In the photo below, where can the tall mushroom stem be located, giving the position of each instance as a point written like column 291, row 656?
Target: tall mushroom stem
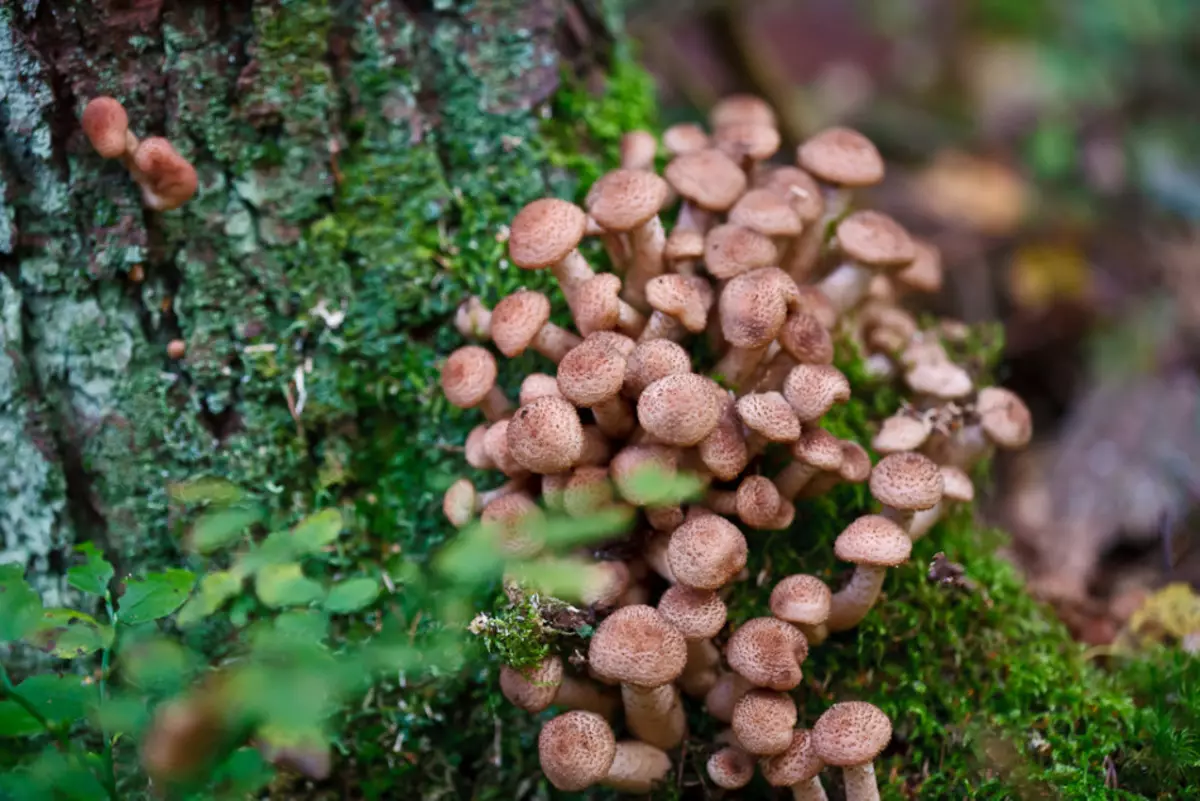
column 860, row 782
column 851, row 603
column 810, row 790
column 637, row 768
column 654, row 714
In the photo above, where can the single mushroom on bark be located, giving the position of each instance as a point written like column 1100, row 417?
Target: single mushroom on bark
column 851, row 735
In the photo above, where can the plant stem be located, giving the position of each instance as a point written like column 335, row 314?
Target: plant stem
column 110, row 772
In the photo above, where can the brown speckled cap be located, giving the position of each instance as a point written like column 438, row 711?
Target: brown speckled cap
column 533, row 688
column 591, row 373
column 815, row 302
column 806, row 340
column 495, row 446
column 958, row 486
column 596, row 304
column 684, row 243
column 768, row 212
column 770, row 415
column 638, row 150
column 706, row 552
column 652, row 360
column 799, row 763
column 747, row 140
column 105, row 124
column 841, row 156
column 684, row 137
column 622, row 200
column 941, row 380
column 851, row 733
column 538, row 385
column 636, row 645
column 545, row 232
column 708, row 178
column 819, row 448
column 618, row 342
column 576, row 750
column 730, row 768
column 873, row 540
column 906, row 481
column 901, row 432
column 874, row 239
column 1005, row 417
column 925, row 272
column 813, row 389
column 757, row 502
column 801, row 599
column 686, row 298
column 753, row 308
column 698, row 614
column 741, row 108
column 730, row 250
column 168, row 180
column 724, row 452
column 517, row 319
column 546, row 436
column 468, row 376
column 856, row 463
column 629, row 464
column 679, row 409
column 800, row 189
column 763, row 721
column 768, row 652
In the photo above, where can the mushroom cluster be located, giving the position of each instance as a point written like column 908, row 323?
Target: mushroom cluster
column 765, row 267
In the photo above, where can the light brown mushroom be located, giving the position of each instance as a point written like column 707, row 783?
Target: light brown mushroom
column 850, row 735
column 599, row 307
column 708, row 181
column 855, row 469
column 753, row 308
column 763, row 721
column 545, row 684
column 724, row 452
column 905, row 483
column 515, row 523
column 638, row 150
column 868, row 241
column 813, row 389
column 924, row 274
column 901, row 432
column 802, row 340
column 724, row 695
column 590, row 376
column 469, row 381
column 706, row 552
column 684, row 246
column 730, row 250
column 730, row 768
column 577, row 750
column 957, row 489
column 843, row 160
column 473, row 320
column 799, row 767
column 522, row 320
column 999, row 418
column 537, row 385
column 545, row 436
column 546, row 234
column 699, row 615
column 651, row 360
column 768, row 653
column 873, row 544
column 106, row 125
column 807, row 199
column 747, row 143
column 939, row 381
column 629, row 469
column 495, row 446
column 627, row 202
column 741, row 108
column 769, row 418
column 679, row 410
column 680, row 303
column 803, row 601
column 167, row 179
column 684, row 137
column 475, row 448
column 462, row 502
column 815, row 451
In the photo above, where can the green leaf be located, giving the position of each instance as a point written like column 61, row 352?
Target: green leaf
column 286, row 585
column 205, row 489
column 20, row 606
column 220, row 527
column 60, row 699
column 316, row 531
column 242, row 775
column 157, row 595
column 94, row 574
column 215, row 589
column 351, row 596
column 156, row 664
column 68, row 634
column 310, row 625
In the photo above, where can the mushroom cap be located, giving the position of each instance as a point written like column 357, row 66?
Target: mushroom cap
column 942, row 380
column 805, row 339
column 801, row 599
column 784, row 517
column 168, row 179
column 799, row 763
column 768, row 652
column 545, row 232
column 1004, row 417
column 724, row 451
column 622, row 200
column 740, row 108
column 636, row 645
column 757, row 501
column 538, row 385
column 458, row 504
column 841, row 156
column 747, row 140
column 731, row 768
column 813, row 389
column 468, row 376
column 722, row 696
column 875, row 239
column 708, row 178
column 875, row 541
column 597, row 304
column 533, row 688
column 609, row 580
column 576, row 750
column 629, row 464
column 753, row 308
column 495, row 446
column 698, row 614
column 591, row 373
column 546, row 436
column 587, row 491
column 900, row 432
column 517, row 319
column 819, row 448
column 706, row 552
column 925, row 272
column 730, row 250
column 686, row 298
column 907, row 481
column 476, row 449
column 684, row 243
column 105, row 124
column 813, row 300
column 769, row 415
column 680, row 409
column 800, row 189
column 652, row 360
column 957, row 483
column 763, row 721
column 768, row 212
column 851, row 733
column 516, row 519
column 856, row 463
column 639, row 147
column 684, row 137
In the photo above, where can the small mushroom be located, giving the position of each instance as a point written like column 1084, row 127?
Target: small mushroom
column 599, row 307
column 706, row 552
column 905, row 483
column 168, row 180
column 708, row 181
column 813, row 389
column 699, row 615
column 724, row 451
column 869, row 241
column 763, row 721
column 958, row 489
column 808, row 201
column 843, row 160
column 724, row 695
column 462, row 502
column 577, row 750
column 730, row 768
column 769, row 418
column 756, row 502
column 939, row 381
column 495, row 447
column 753, row 308
column 798, row 767
column 106, row 125
column 627, row 202
column 684, row 137
column 873, row 544
column 546, row 234
column 638, row 150
column 680, row 303
column 770, row 213
column 545, row 684
column 802, row 340
column 850, row 735
column 803, row 601
column 999, row 418
column 855, row 469
column 632, row 463
column 469, row 381
column 522, row 320
column 679, row 410
column 730, row 250
column 651, row 360
column 901, row 432
column 473, row 320
column 815, row 451
column 537, row 385
column 683, row 248
column 545, row 436
column 749, row 143
column 924, row 274
column 768, row 653
column 590, row 376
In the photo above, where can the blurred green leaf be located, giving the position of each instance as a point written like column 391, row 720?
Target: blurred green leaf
column 566, row 532
column 94, row 574
column 316, row 531
column 52, row 775
column 215, row 589
column 242, row 775
column 156, row 664
column 60, row 699
column 69, row 634
column 122, row 714
column 220, row 527
column 472, row 557
column 303, row 624
column 1052, row 149
column 652, row 486
column 286, row 585
column 352, row 595
column 205, row 489
column 563, row 578
column 20, row 606
column 155, row 596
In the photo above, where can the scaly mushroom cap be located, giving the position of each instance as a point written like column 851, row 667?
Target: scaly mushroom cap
column 801, row 599
column 597, row 304
column 533, row 688
column 679, row 409
column 757, row 502
column 747, row 140
column 545, row 232
column 724, row 451
column 741, row 108
column 958, row 486
column 730, row 768
column 458, row 504
column 622, row 200
column 706, row 552
column 652, row 360
column 942, row 380
column 588, row 490
column 618, row 342
column 517, row 319
column 708, row 178
column 841, row 156
column 925, row 272
column 769, row 415
column 753, row 309
column 856, row 463
column 105, row 124
column 698, row 614
column 812, row 300
column 546, row 436
column 907, row 481
column 1005, row 417
column 763, row 721
column 576, row 750
column 851, row 733
column 683, row 243
column 799, row 763
column 806, row 340
column 901, row 432
column 591, row 373
column 767, row 211
column 634, row 461
column 468, row 376
column 730, row 250
column 684, row 137
column 800, row 189
column 768, row 652
column 686, row 298
column 538, row 385
column 819, row 448
column 875, row 239
column 168, row 180
column 636, row 645
column 813, row 389
column 875, row 541
column 495, row 446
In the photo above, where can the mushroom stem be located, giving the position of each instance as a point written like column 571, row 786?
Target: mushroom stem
column 575, row 693
column 614, row 418
column 847, row 285
column 554, row 342
column 815, row 634
column 802, row 254
column 810, row 790
column 647, row 242
column 494, row 405
column 901, row 517
column 663, row 326
column 851, row 603
column 637, row 767
column 738, row 363
column 700, row 673
column 654, row 714
column 923, row 521
column 572, row 272
column 794, row 478
column 860, row 782
column 473, row 320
